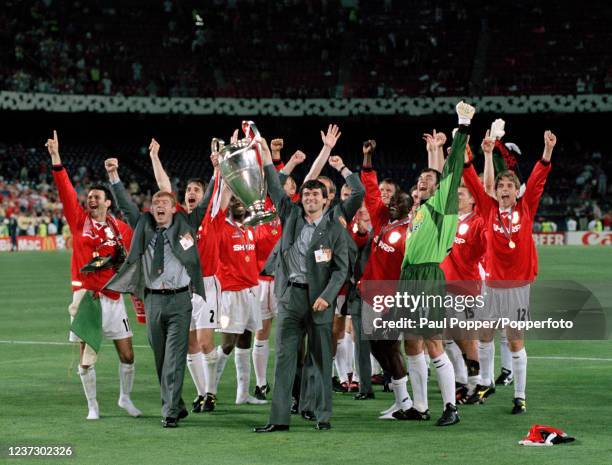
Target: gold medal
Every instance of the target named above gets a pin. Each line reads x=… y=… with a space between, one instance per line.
x=274 y=232
x=247 y=258
x=511 y=244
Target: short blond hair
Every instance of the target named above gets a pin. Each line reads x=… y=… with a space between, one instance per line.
x=510 y=175
x=170 y=195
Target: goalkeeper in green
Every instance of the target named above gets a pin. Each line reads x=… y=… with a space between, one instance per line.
x=428 y=242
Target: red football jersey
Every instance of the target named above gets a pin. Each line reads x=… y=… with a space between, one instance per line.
x=387 y=253
x=89 y=236
x=208 y=247
x=237 y=266
x=266 y=237
x=510 y=250
x=468 y=249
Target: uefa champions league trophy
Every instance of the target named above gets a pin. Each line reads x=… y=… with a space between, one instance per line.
x=241 y=165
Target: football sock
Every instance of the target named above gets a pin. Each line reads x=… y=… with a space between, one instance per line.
x=242 y=358
x=519 y=370
x=473 y=372
x=196 y=369
x=210 y=370
x=376 y=368
x=221 y=362
x=400 y=391
x=88 y=379
x=261 y=352
x=340 y=361
x=454 y=354
x=126 y=383
x=504 y=350
x=446 y=378
x=349 y=353
x=417 y=369
x=486 y=355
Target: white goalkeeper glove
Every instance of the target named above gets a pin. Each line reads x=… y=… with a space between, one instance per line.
x=497 y=128
x=465 y=112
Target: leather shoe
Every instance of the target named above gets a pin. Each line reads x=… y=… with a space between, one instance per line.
x=170 y=422
x=323 y=425
x=269 y=428
x=308 y=415
x=364 y=396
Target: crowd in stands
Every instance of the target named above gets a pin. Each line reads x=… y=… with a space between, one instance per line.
x=298 y=49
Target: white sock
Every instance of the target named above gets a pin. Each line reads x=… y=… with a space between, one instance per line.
x=221 y=361
x=349 y=353
x=196 y=368
x=261 y=352
x=456 y=357
x=400 y=391
x=504 y=350
x=340 y=361
x=417 y=369
x=446 y=378
x=242 y=358
x=210 y=371
x=376 y=368
x=126 y=379
x=427 y=359
x=126 y=383
x=88 y=379
x=519 y=370
x=486 y=355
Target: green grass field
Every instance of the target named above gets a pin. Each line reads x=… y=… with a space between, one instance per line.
x=42 y=403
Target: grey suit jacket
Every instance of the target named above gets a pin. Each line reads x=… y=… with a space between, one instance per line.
x=324 y=278
x=130 y=278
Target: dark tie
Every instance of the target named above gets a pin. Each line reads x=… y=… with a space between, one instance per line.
x=158 y=253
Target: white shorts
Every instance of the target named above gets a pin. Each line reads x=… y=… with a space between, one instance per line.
x=511 y=303
x=267 y=299
x=239 y=311
x=115 y=322
x=205 y=313
x=339 y=303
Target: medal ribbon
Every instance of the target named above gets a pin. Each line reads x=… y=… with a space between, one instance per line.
x=507 y=232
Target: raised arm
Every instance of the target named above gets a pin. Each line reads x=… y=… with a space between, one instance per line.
x=489 y=169
x=123 y=199
x=280 y=199
x=378 y=211
x=434 y=144
x=352 y=203
x=329 y=142
x=483 y=201
x=196 y=216
x=68 y=196
x=537 y=179
x=162 y=179
x=445 y=200
x=296 y=159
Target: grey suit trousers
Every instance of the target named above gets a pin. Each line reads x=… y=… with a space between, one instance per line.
x=295 y=318
x=168 y=318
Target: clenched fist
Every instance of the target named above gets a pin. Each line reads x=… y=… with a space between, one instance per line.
x=465 y=112
x=111 y=165
x=276 y=145
x=336 y=162
x=369 y=146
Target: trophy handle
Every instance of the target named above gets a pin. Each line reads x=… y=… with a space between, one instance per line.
x=216 y=145
x=251 y=132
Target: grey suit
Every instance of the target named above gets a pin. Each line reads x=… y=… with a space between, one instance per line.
x=295 y=314
x=169 y=315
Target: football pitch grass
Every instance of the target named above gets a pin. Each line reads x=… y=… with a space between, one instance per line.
x=42 y=401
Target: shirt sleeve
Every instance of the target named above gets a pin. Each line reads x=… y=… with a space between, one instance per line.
x=484 y=202
x=446 y=199
x=535 y=185
x=68 y=196
x=379 y=212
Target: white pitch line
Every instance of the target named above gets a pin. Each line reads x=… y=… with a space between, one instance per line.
x=532 y=357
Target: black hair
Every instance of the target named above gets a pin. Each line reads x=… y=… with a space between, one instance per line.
x=392 y=182
x=199 y=181
x=431 y=170
x=102 y=187
x=314 y=184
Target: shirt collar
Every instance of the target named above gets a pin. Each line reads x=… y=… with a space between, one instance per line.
x=315 y=222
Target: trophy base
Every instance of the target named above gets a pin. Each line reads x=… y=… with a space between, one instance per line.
x=259 y=217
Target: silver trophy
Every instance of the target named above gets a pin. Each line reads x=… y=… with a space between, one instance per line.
x=241 y=166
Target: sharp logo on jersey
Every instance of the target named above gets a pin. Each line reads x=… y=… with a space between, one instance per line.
x=240 y=247
x=386 y=247
x=463 y=228
x=459 y=240
x=500 y=229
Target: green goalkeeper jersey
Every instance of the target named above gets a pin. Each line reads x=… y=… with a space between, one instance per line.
x=435 y=222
